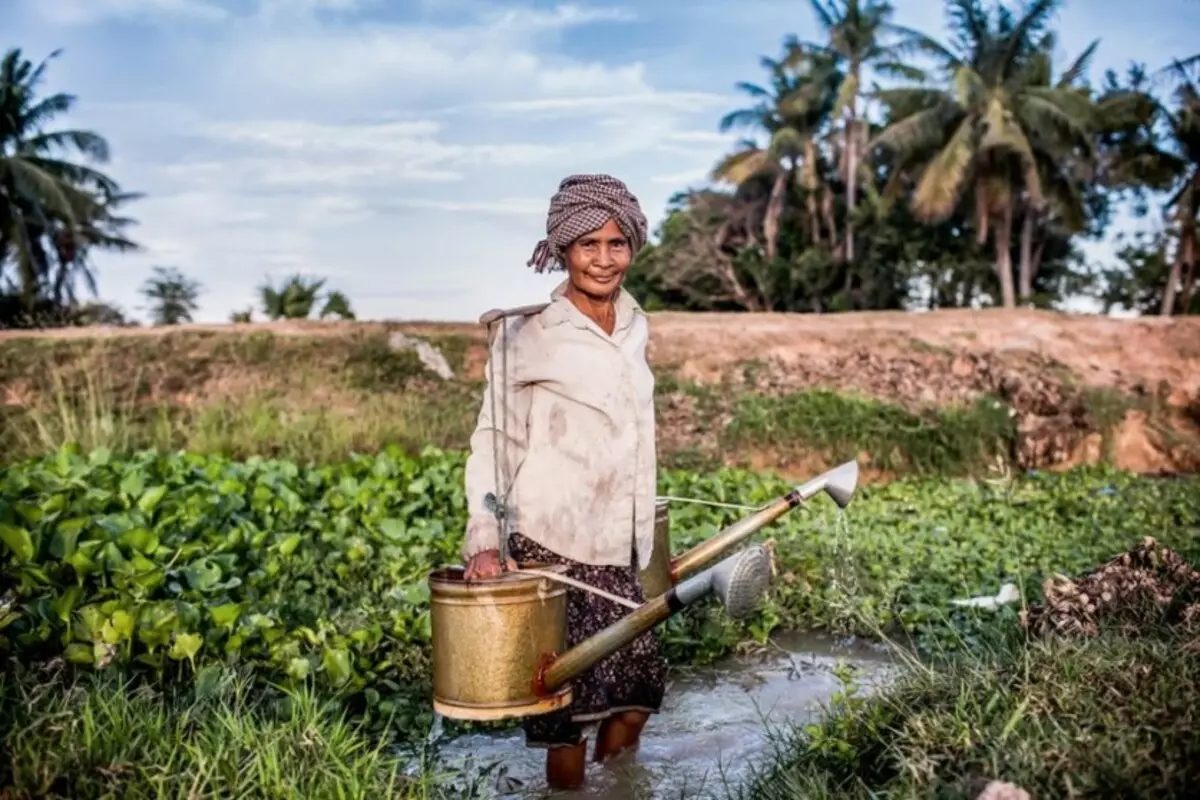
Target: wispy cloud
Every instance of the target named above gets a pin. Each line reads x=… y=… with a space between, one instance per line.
x=84 y=12
x=297 y=152
x=276 y=8
x=534 y=207
x=561 y=17
x=683 y=178
x=604 y=104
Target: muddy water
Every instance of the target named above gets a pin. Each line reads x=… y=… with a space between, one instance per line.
x=713 y=731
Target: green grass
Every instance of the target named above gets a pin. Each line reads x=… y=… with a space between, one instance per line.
x=952 y=441
x=98 y=408
x=93 y=410
x=94 y=736
x=903 y=550
x=1114 y=716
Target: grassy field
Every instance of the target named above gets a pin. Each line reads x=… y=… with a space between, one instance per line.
x=308 y=399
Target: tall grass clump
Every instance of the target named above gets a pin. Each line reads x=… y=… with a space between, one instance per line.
x=952 y=441
x=104 y=735
x=236 y=398
x=86 y=405
x=1110 y=716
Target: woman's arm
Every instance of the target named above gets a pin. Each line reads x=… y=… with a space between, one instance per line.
x=493 y=439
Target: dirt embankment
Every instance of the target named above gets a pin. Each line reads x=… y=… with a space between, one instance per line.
x=1080 y=387
x=1077 y=385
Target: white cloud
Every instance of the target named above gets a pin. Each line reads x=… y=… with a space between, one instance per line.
x=568 y=15
x=507 y=206
x=577 y=105
x=410 y=163
x=702 y=137
x=297 y=153
x=275 y=8
x=499 y=55
x=84 y=12
x=405 y=65
x=683 y=178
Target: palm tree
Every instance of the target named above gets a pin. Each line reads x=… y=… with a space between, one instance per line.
x=172 y=296
x=859 y=35
x=294 y=299
x=99 y=226
x=297 y=297
x=792 y=112
x=1150 y=146
x=52 y=209
x=981 y=133
x=1182 y=159
x=1066 y=162
x=337 y=305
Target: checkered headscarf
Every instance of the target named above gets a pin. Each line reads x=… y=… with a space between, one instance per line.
x=583 y=204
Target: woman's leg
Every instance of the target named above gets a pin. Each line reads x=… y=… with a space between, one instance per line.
x=566 y=766
x=619 y=733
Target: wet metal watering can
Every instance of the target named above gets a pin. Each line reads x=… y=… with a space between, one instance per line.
x=499 y=645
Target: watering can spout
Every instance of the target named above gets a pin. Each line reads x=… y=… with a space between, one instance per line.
x=839 y=483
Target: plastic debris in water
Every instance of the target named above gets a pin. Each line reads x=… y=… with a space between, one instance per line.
x=1008 y=594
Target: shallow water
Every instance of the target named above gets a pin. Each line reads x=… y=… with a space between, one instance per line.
x=713 y=731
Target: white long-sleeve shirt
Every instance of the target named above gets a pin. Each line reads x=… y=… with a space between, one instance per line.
x=579 y=429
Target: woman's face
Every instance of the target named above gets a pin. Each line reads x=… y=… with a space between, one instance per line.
x=598 y=261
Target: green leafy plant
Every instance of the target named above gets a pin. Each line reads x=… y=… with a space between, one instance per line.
x=172 y=563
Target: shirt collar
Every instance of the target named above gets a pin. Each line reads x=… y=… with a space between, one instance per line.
x=561 y=310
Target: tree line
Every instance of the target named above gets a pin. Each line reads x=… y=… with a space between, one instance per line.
x=882 y=169
x=966 y=173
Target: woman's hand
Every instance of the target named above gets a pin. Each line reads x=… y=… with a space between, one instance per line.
x=486 y=564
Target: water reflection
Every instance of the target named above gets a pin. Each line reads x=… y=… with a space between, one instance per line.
x=716 y=726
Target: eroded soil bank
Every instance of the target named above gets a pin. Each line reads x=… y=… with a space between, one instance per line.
x=1042 y=389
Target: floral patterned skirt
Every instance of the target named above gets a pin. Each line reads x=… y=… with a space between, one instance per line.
x=632 y=679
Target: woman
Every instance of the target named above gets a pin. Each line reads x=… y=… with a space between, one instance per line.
x=576 y=453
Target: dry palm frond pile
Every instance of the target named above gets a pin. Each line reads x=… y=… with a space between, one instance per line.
x=1149 y=583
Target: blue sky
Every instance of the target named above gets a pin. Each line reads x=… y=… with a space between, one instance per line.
x=406 y=149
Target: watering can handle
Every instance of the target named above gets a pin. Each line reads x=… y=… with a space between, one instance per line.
x=579 y=585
